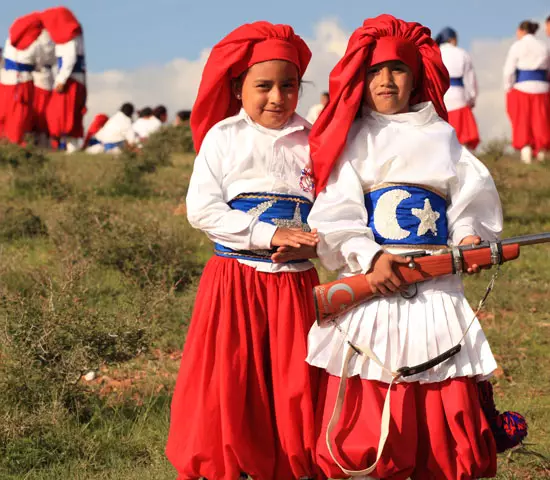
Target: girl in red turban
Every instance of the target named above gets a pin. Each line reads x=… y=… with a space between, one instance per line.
x=26 y=50
x=244 y=397
x=67 y=105
x=392 y=178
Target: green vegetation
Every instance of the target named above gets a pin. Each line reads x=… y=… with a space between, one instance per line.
x=98 y=273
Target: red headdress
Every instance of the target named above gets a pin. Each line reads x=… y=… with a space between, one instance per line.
x=61 y=24
x=379 y=40
x=243 y=47
x=25 y=30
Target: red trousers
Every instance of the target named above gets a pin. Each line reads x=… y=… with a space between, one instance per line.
x=245 y=397
x=438 y=431
x=16 y=111
x=65 y=112
x=464 y=122
x=530 y=117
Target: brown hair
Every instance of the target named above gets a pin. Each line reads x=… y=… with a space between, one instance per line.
x=529 y=26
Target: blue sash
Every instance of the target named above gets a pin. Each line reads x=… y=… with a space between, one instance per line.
x=288 y=211
x=529 y=75
x=93 y=141
x=407 y=215
x=111 y=146
x=79 y=66
x=457 y=81
x=18 y=67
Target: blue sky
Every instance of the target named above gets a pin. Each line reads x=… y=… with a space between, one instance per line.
x=126 y=34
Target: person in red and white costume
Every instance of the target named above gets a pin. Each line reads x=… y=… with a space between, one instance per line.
x=391 y=177
x=116 y=134
x=526 y=81
x=67 y=104
x=97 y=124
x=462 y=94
x=27 y=48
x=244 y=397
x=43 y=85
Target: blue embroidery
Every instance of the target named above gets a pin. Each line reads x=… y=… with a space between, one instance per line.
x=407 y=215
x=289 y=211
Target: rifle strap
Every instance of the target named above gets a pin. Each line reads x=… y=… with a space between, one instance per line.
x=366 y=353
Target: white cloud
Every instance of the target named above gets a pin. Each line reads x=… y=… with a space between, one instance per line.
x=175 y=83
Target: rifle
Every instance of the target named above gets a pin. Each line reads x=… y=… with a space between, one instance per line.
x=334 y=298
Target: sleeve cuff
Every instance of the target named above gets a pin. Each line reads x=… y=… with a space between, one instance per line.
x=359 y=253
x=461 y=232
x=261 y=235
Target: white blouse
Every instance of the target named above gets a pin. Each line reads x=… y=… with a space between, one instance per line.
x=38 y=54
x=239 y=156
x=527 y=53
x=117 y=129
x=416 y=148
x=459 y=64
x=69 y=53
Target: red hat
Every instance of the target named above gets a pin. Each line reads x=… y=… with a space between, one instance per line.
x=243 y=47
x=97 y=124
x=379 y=40
x=25 y=30
x=61 y=24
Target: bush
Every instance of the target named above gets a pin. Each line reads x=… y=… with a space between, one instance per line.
x=139 y=248
x=21 y=223
x=16 y=156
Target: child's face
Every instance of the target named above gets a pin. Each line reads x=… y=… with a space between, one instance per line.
x=388 y=87
x=269 y=92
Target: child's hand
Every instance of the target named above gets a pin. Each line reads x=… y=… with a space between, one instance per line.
x=286 y=254
x=294 y=237
x=381 y=276
x=472 y=240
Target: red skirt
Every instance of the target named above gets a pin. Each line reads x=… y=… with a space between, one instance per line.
x=40 y=103
x=464 y=122
x=244 y=397
x=16 y=113
x=438 y=430
x=65 y=112
x=530 y=117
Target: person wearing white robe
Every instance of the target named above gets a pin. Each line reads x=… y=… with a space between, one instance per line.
x=116 y=133
x=526 y=81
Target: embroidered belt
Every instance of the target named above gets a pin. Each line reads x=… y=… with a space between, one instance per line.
x=457 y=81
x=530 y=75
x=18 y=67
x=79 y=66
x=287 y=211
x=407 y=215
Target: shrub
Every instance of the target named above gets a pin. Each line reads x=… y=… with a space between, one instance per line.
x=21 y=223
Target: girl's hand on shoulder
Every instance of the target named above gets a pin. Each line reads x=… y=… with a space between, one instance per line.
x=472 y=240
x=294 y=237
x=287 y=254
x=382 y=277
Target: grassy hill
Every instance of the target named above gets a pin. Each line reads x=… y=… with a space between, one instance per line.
x=98 y=270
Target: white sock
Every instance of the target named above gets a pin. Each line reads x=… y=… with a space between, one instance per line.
x=526 y=154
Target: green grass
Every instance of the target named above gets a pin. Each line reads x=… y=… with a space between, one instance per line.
x=124 y=265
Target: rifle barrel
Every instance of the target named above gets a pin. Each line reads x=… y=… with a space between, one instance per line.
x=528 y=239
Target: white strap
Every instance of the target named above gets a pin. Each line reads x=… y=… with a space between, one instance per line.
x=386 y=412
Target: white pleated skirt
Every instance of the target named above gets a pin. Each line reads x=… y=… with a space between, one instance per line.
x=407 y=332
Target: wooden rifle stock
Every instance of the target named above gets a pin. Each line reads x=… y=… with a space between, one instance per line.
x=334 y=298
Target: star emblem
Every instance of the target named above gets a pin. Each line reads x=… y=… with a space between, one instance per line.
x=427 y=218
x=294 y=222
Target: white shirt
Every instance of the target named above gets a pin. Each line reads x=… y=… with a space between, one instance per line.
x=459 y=64
x=144 y=127
x=314 y=112
x=239 y=156
x=69 y=53
x=410 y=148
x=117 y=129
x=527 y=53
x=38 y=54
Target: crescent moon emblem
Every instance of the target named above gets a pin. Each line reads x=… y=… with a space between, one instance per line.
x=339 y=286
x=385 y=215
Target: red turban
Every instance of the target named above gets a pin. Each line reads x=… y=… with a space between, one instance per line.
x=25 y=30
x=380 y=39
x=243 y=47
x=61 y=24
x=97 y=124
